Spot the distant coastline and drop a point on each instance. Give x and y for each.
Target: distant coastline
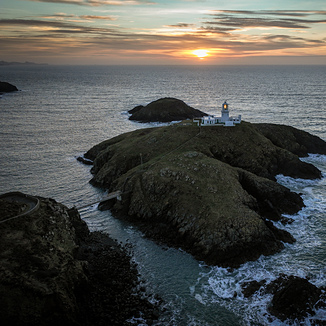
(5, 63)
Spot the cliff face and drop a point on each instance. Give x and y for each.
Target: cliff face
(54, 271)
(209, 190)
(38, 272)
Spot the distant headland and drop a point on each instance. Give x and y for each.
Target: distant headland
(14, 63)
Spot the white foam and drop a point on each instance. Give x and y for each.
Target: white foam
(137, 321)
(295, 184)
(224, 288)
(314, 158)
(200, 299)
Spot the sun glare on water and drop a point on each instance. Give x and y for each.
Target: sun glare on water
(201, 54)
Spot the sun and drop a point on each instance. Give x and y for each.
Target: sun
(201, 54)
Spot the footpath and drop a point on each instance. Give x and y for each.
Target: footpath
(28, 203)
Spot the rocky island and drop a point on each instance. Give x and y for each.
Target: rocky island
(208, 190)
(7, 87)
(53, 271)
(164, 110)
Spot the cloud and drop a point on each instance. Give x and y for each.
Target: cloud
(242, 19)
(55, 27)
(92, 17)
(233, 23)
(298, 40)
(296, 13)
(181, 25)
(115, 38)
(96, 3)
(71, 17)
(225, 33)
(274, 12)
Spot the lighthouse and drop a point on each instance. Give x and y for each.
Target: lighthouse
(224, 120)
(225, 112)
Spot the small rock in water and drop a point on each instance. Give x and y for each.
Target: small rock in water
(6, 87)
(84, 160)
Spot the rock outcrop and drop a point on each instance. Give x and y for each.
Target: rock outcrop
(298, 142)
(209, 190)
(164, 110)
(54, 271)
(294, 298)
(6, 87)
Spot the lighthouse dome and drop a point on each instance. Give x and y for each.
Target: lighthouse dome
(225, 112)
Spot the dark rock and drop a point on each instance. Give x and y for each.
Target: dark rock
(81, 229)
(250, 288)
(270, 200)
(279, 234)
(84, 160)
(135, 109)
(6, 87)
(296, 141)
(164, 110)
(54, 271)
(110, 297)
(38, 243)
(249, 149)
(8, 210)
(294, 298)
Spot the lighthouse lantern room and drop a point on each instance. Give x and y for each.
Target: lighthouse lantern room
(225, 112)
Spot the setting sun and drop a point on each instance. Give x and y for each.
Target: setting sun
(201, 54)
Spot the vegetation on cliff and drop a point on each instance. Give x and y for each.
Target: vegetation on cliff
(209, 190)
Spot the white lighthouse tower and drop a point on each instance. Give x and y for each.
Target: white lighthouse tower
(225, 112)
(224, 120)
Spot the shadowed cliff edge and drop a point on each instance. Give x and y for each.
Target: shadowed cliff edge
(208, 190)
(53, 271)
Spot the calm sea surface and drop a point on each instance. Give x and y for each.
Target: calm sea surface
(62, 111)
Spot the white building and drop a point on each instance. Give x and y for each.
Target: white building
(224, 120)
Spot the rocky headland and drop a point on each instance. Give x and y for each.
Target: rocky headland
(53, 271)
(164, 110)
(7, 87)
(208, 190)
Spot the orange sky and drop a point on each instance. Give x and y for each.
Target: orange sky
(162, 32)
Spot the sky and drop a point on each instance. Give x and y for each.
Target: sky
(163, 32)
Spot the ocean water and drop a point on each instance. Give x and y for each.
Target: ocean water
(62, 111)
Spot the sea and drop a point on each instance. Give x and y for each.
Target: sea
(62, 111)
